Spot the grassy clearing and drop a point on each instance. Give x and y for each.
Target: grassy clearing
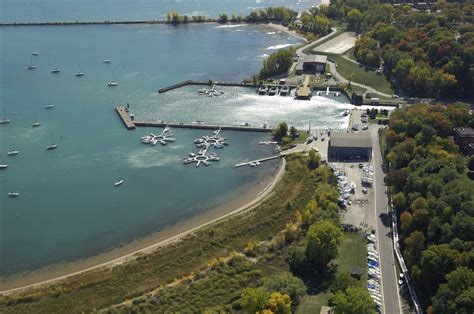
(360, 75)
(105, 287)
(382, 141)
(352, 252)
(310, 48)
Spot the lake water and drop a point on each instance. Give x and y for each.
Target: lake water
(93, 10)
(69, 207)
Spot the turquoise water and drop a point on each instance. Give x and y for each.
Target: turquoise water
(93, 10)
(69, 207)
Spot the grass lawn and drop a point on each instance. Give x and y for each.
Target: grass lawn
(352, 252)
(360, 74)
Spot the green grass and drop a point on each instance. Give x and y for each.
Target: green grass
(382, 141)
(360, 75)
(352, 252)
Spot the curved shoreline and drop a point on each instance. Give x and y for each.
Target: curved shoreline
(146, 245)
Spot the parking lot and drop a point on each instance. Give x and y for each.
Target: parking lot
(358, 198)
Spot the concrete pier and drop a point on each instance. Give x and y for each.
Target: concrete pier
(199, 126)
(123, 114)
(202, 83)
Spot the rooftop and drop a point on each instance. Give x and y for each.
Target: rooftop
(464, 131)
(361, 139)
(316, 58)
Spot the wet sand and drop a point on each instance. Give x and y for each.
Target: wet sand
(48, 275)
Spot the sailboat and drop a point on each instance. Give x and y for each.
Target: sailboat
(35, 123)
(4, 120)
(13, 152)
(112, 83)
(79, 73)
(107, 61)
(35, 53)
(55, 70)
(118, 183)
(49, 105)
(31, 66)
(52, 145)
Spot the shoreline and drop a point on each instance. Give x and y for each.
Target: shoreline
(285, 30)
(148, 244)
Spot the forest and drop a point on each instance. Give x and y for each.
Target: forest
(435, 200)
(430, 53)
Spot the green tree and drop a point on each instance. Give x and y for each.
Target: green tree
(277, 63)
(414, 246)
(280, 131)
(457, 294)
(323, 239)
(314, 159)
(354, 300)
(293, 133)
(254, 299)
(279, 303)
(354, 19)
(286, 284)
(223, 18)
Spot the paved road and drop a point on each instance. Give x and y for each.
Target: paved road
(390, 293)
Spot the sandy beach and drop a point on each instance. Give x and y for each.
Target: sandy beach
(286, 30)
(254, 196)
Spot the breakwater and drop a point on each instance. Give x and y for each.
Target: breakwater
(202, 83)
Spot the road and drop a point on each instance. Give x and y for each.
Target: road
(390, 293)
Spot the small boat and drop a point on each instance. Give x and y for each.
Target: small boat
(4, 121)
(118, 183)
(49, 106)
(252, 164)
(79, 74)
(13, 194)
(3, 166)
(55, 70)
(107, 61)
(285, 90)
(35, 124)
(346, 112)
(112, 83)
(52, 146)
(13, 152)
(263, 90)
(31, 66)
(273, 91)
(35, 53)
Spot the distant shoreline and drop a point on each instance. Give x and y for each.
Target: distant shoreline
(55, 273)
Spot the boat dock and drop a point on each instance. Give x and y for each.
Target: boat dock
(123, 114)
(258, 161)
(304, 91)
(200, 126)
(202, 83)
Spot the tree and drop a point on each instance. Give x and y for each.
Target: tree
(323, 239)
(414, 245)
(279, 303)
(314, 159)
(286, 284)
(354, 19)
(280, 131)
(293, 133)
(254, 299)
(223, 18)
(354, 300)
(277, 63)
(457, 294)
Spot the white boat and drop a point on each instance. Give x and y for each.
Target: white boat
(285, 90)
(35, 124)
(3, 166)
(112, 83)
(49, 106)
(4, 121)
(346, 112)
(35, 53)
(79, 73)
(52, 146)
(13, 152)
(107, 61)
(118, 182)
(167, 129)
(13, 194)
(31, 66)
(55, 70)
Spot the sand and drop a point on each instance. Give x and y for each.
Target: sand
(147, 244)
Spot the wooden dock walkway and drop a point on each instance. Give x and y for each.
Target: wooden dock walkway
(258, 160)
(200, 126)
(123, 114)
